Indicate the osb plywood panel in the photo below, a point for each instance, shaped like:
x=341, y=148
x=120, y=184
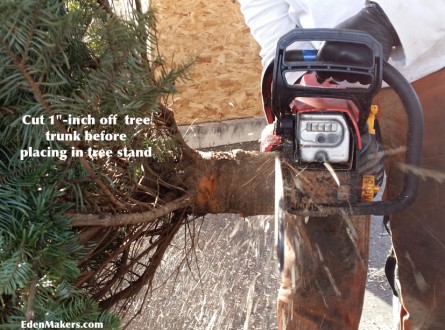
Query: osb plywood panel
x=226, y=75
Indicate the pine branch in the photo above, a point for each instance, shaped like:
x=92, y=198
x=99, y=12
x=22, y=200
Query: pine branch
x=58, y=59
x=109, y=220
x=29, y=314
x=149, y=272
x=40, y=98
x=83, y=278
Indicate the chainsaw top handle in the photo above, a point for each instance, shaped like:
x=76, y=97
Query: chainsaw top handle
x=286, y=61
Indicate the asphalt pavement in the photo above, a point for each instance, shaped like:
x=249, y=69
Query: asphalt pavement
x=377, y=311
x=230, y=279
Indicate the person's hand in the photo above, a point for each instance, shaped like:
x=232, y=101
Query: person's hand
x=370, y=19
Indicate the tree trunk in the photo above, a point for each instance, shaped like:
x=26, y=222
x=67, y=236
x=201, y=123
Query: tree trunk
x=233, y=182
x=237, y=182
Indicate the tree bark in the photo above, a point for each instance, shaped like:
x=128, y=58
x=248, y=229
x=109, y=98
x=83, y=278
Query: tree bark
x=237, y=182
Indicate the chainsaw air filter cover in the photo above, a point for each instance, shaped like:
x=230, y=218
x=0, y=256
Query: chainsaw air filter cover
x=323, y=137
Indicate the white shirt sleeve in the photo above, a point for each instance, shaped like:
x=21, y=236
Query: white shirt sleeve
x=268, y=21
x=421, y=29
x=419, y=24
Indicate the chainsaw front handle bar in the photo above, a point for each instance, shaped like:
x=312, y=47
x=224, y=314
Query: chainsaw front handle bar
x=413, y=154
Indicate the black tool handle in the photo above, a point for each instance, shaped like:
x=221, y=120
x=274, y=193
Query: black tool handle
x=283, y=92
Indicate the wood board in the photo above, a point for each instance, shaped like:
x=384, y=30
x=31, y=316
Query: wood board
x=227, y=73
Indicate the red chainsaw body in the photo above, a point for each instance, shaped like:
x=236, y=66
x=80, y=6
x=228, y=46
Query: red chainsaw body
x=323, y=104
x=326, y=104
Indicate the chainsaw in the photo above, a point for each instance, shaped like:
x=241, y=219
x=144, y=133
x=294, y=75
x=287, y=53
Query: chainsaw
x=326, y=127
